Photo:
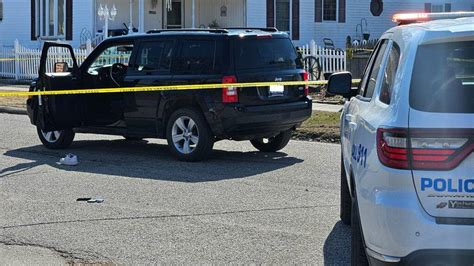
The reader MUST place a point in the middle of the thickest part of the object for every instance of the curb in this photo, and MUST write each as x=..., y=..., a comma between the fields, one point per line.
x=328, y=103
x=12, y=110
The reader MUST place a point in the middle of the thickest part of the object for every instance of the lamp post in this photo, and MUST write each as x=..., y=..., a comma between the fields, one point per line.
x=130, y=25
x=106, y=15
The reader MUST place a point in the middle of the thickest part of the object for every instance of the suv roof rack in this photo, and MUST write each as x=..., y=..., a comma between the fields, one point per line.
x=270, y=29
x=193, y=30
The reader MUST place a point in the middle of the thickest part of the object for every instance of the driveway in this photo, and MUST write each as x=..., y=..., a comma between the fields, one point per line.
x=240, y=206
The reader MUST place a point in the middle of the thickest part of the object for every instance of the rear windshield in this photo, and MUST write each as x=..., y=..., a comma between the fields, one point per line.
x=443, y=78
x=264, y=53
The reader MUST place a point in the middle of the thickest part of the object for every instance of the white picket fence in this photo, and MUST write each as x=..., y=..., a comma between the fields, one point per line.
x=331, y=60
x=23, y=63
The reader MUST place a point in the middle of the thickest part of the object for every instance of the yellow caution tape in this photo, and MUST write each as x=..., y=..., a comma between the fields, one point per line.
x=161, y=88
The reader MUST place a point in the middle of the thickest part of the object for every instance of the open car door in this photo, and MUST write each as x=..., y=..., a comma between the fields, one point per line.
x=59, y=73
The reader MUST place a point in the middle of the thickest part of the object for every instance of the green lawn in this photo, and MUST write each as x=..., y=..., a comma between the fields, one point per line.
x=321, y=126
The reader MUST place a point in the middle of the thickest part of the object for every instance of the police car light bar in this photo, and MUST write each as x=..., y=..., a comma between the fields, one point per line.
x=406, y=18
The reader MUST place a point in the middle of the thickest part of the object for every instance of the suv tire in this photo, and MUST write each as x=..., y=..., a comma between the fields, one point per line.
x=358, y=255
x=56, y=140
x=274, y=144
x=346, y=200
x=188, y=134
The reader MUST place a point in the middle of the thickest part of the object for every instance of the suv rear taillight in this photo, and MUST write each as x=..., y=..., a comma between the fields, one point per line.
x=229, y=94
x=306, y=87
x=423, y=149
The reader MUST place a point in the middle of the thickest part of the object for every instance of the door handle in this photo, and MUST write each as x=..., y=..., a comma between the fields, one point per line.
x=353, y=125
x=348, y=117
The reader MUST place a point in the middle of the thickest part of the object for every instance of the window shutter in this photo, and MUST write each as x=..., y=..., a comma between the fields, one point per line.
x=270, y=13
x=295, y=20
x=427, y=7
x=318, y=10
x=342, y=11
x=447, y=7
x=1, y=10
x=69, y=20
x=33, y=21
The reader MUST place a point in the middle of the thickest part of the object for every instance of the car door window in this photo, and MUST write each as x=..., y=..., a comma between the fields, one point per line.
x=374, y=60
x=197, y=57
x=389, y=74
x=113, y=54
x=372, y=80
x=154, y=56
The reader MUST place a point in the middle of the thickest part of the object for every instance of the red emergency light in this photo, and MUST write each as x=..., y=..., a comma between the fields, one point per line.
x=407, y=18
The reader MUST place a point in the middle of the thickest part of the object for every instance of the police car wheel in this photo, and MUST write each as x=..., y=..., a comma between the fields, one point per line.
x=358, y=255
x=55, y=140
x=272, y=144
x=346, y=200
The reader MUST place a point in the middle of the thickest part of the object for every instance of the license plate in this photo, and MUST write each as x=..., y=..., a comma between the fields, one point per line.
x=276, y=90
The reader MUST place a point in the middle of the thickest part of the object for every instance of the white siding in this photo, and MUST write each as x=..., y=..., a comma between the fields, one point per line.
x=209, y=10
x=357, y=10
x=257, y=13
x=16, y=22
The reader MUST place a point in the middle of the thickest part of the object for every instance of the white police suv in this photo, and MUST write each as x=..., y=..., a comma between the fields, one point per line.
x=407, y=133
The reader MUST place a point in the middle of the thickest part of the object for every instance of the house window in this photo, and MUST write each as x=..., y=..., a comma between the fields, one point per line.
x=330, y=10
x=51, y=18
x=282, y=15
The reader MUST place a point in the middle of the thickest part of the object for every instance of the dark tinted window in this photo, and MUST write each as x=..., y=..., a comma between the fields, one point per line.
x=155, y=56
x=443, y=78
x=264, y=53
x=199, y=57
x=372, y=80
x=389, y=74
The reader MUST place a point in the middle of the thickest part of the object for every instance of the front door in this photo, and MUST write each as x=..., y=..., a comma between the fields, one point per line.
x=174, y=16
x=58, y=71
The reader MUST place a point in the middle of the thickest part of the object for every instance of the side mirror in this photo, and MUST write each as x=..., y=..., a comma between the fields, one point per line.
x=341, y=84
x=61, y=67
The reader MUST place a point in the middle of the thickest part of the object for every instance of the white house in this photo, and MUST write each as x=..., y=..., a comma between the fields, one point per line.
x=33, y=21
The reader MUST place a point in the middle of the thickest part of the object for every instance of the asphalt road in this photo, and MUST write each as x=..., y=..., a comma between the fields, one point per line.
x=241, y=206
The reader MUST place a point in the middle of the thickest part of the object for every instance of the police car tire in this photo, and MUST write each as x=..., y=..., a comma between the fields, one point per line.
x=64, y=141
x=274, y=144
x=346, y=200
x=358, y=255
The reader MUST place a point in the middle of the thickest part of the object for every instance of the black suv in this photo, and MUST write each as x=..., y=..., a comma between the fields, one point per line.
x=191, y=120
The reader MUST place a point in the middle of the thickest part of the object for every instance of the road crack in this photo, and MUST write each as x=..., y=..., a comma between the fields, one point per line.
x=81, y=257
x=108, y=219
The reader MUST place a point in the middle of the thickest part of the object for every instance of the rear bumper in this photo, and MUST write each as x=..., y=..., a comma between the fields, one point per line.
x=246, y=122
x=425, y=257
x=396, y=225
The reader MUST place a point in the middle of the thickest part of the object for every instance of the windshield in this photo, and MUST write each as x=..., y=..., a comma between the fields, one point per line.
x=260, y=53
x=114, y=54
x=449, y=87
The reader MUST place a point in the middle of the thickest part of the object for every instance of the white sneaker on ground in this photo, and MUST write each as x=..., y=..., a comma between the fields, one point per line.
x=69, y=160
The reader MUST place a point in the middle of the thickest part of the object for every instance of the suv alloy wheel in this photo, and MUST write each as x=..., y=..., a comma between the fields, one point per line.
x=189, y=137
x=60, y=139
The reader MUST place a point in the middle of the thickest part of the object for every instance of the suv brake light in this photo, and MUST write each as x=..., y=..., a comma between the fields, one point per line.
x=422, y=149
x=229, y=94
x=306, y=87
